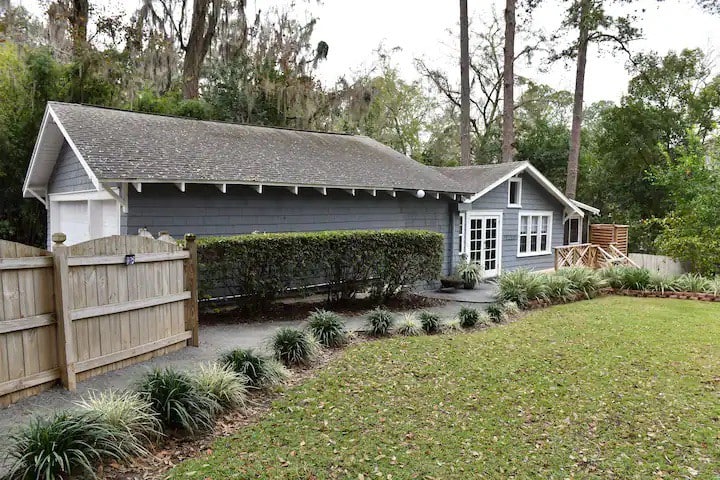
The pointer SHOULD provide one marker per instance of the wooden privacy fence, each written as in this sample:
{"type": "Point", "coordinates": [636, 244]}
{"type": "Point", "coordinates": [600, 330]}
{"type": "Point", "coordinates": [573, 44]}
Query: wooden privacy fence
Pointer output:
{"type": "Point", "coordinates": [607, 235]}
{"type": "Point", "coordinates": [90, 308]}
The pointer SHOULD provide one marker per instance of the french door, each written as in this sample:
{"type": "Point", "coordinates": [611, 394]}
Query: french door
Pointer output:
{"type": "Point", "coordinates": [483, 242]}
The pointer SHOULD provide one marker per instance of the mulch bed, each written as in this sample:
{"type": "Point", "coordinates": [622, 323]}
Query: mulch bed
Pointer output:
{"type": "Point", "coordinates": [176, 447]}
{"type": "Point", "coordinates": [298, 310]}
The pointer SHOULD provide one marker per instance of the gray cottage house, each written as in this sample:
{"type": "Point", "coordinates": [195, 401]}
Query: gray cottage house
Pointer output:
{"type": "Point", "coordinates": [103, 172]}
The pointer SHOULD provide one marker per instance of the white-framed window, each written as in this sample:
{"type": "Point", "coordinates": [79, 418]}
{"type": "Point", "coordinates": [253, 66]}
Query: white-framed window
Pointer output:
{"type": "Point", "coordinates": [515, 192]}
{"type": "Point", "coordinates": [534, 233]}
{"type": "Point", "coordinates": [460, 232]}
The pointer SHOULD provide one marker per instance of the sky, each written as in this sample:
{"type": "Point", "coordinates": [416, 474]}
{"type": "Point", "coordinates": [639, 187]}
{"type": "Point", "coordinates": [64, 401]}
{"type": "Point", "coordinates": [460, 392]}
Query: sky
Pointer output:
{"type": "Point", "coordinates": [420, 28]}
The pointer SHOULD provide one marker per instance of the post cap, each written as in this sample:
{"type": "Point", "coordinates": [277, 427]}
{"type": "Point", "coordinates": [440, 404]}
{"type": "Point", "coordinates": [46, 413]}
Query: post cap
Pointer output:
{"type": "Point", "coordinates": [189, 237]}
{"type": "Point", "coordinates": [59, 237]}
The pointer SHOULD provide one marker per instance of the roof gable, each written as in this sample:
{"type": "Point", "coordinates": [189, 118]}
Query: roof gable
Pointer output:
{"type": "Point", "coordinates": [485, 178]}
{"type": "Point", "coordinates": [122, 146]}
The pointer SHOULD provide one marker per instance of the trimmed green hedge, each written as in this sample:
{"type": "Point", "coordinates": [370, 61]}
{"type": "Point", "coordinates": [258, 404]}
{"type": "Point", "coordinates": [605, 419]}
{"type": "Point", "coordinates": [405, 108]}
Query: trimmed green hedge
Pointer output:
{"type": "Point", "coordinates": [259, 267]}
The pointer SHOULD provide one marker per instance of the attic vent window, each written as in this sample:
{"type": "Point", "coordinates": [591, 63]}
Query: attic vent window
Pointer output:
{"type": "Point", "coordinates": [514, 192]}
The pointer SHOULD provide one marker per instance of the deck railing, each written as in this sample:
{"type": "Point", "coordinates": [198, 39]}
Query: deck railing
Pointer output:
{"type": "Point", "coordinates": [590, 256]}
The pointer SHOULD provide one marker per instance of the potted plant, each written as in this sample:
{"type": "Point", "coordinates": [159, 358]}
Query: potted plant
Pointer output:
{"type": "Point", "coordinates": [470, 272]}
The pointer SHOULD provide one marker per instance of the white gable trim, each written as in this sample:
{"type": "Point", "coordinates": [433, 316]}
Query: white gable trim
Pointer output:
{"type": "Point", "coordinates": [32, 169]}
{"type": "Point", "coordinates": [542, 180]}
{"type": "Point", "coordinates": [585, 206]}
{"type": "Point", "coordinates": [75, 150]}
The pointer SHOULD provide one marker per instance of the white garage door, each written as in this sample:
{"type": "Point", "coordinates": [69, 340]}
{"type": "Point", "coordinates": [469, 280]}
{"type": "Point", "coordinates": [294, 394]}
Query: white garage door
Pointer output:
{"type": "Point", "coordinates": [83, 220]}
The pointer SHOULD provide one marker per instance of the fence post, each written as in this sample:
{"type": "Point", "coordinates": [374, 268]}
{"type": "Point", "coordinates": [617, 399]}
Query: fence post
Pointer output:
{"type": "Point", "coordinates": [66, 343]}
{"type": "Point", "coordinates": [191, 284]}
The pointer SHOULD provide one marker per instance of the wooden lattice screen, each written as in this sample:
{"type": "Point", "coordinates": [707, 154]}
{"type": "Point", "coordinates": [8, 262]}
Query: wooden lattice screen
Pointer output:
{"type": "Point", "coordinates": [606, 234]}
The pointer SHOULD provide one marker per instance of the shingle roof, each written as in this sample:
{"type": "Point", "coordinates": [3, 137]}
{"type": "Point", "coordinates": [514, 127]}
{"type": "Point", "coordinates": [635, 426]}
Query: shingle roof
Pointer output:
{"type": "Point", "coordinates": [128, 146]}
{"type": "Point", "coordinates": [477, 178]}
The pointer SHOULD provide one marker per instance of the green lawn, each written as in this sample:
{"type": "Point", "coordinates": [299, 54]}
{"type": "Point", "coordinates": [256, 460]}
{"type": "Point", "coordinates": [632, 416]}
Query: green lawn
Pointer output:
{"type": "Point", "coordinates": [611, 388]}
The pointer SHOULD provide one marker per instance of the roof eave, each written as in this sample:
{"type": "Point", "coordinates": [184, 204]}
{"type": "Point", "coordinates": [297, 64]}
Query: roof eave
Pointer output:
{"type": "Point", "coordinates": [282, 184]}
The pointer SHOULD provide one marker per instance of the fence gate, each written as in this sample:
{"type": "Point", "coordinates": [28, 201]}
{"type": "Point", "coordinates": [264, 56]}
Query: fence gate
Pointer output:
{"type": "Point", "coordinates": [28, 353]}
{"type": "Point", "coordinates": [90, 308]}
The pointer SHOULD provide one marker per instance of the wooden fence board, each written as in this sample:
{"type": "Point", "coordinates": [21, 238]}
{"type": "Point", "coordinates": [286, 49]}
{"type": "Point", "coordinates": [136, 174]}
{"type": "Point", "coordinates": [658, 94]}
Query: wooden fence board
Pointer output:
{"type": "Point", "coordinates": [113, 314]}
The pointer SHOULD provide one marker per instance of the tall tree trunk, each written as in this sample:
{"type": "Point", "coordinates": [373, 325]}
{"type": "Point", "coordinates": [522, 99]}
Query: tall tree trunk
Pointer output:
{"type": "Point", "coordinates": [202, 30]}
{"type": "Point", "coordinates": [464, 85]}
{"type": "Point", "coordinates": [574, 157]}
{"type": "Point", "coordinates": [78, 17]}
{"type": "Point", "coordinates": [508, 125]}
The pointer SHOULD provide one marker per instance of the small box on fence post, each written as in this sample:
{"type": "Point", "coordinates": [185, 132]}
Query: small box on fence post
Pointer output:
{"type": "Point", "coordinates": [66, 343]}
{"type": "Point", "coordinates": [191, 285]}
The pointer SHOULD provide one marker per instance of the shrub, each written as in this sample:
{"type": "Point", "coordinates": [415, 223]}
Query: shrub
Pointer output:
{"type": "Point", "coordinates": [221, 383]}
{"type": "Point", "coordinates": [583, 280]}
{"type": "Point", "coordinates": [559, 288]}
{"type": "Point", "coordinates": [451, 326]}
{"type": "Point", "coordinates": [294, 347]}
{"type": "Point", "coordinates": [468, 317]}
{"type": "Point", "coordinates": [409, 326]}
{"type": "Point", "coordinates": [177, 402]}
{"type": "Point", "coordinates": [521, 286]}
{"type": "Point", "coordinates": [496, 312]}
{"type": "Point", "coordinates": [380, 321]}
{"type": "Point", "coordinates": [430, 322]}
{"type": "Point", "coordinates": [328, 328]}
{"type": "Point", "coordinates": [260, 371]}
{"type": "Point", "coordinates": [66, 444]}
{"type": "Point", "coordinates": [258, 267]}
{"type": "Point", "coordinates": [692, 282]}
{"type": "Point", "coordinates": [127, 412]}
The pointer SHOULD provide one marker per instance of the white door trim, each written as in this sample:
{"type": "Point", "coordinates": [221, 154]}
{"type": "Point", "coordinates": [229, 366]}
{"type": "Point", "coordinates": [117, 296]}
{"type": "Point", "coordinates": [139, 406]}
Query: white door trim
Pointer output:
{"type": "Point", "coordinates": [482, 214]}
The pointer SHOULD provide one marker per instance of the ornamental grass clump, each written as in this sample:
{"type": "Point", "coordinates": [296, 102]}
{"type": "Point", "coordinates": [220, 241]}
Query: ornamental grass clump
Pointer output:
{"type": "Point", "coordinates": [68, 444]}
{"type": "Point", "coordinates": [430, 322]}
{"type": "Point", "coordinates": [261, 371]}
{"type": "Point", "coordinates": [692, 282]}
{"type": "Point", "coordinates": [496, 312]}
{"type": "Point", "coordinates": [661, 283]}
{"type": "Point", "coordinates": [128, 412]}
{"type": "Point", "coordinates": [174, 397]}
{"type": "Point", "coordinates": [628, 277]}
{"type": "Point", "coordinates": [409, 326]}
{"type": "Point", "coordinates": [583, 280]}
{"type": "Point", "coordinates": [328, 328]}
{"type": "Point", "coordinates": [294, 347]}
{"type": "Point", "coordinates": [510, 308]}
{"type": "Point", "coordinates": [379, 322]}
{"type": "Point", "coordinates": [451, 326]}
{"type": "Point", "coordinates": [221, 383]}
{"type": "Point", "coordinates": [521, 286]}
{"type": "Point", "coordinates": [559, 288]}
{"type": "Point", "coordinates": [468, 317]}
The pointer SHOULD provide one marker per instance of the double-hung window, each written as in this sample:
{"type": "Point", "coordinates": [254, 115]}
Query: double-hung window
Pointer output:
{"type": "Point", "coordinates": [534, 233]}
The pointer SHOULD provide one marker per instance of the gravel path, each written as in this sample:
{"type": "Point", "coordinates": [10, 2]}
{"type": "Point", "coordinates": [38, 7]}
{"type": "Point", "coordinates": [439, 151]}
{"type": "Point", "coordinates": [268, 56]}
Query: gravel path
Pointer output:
{"type": "Point", "coordinates": [214, 339]}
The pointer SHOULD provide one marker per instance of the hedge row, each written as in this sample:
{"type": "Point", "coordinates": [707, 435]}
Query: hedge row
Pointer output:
{"type": "Point", "coordinates": [256, 268]}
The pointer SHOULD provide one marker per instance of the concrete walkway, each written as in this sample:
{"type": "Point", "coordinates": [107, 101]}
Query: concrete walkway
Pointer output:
{"type": "Point", "coordinates": [214, 340]}
{"type": "Point", "coordinates": [483, 293]}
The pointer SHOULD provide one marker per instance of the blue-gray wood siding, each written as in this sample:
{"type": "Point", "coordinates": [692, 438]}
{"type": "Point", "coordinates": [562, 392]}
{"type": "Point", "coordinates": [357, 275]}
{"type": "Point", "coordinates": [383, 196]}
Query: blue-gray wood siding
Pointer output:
{"type": "Point", "coordinates": [68, 174]}
{"type": "Point", "coordinates": [205, 211]}
{"type": "Point", "coordinates": [534, 197]}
